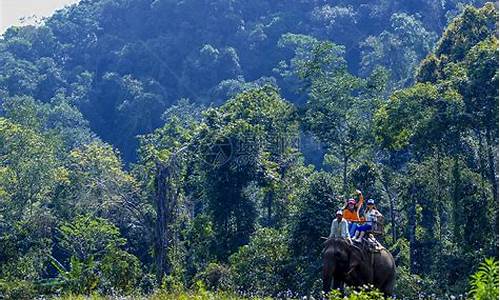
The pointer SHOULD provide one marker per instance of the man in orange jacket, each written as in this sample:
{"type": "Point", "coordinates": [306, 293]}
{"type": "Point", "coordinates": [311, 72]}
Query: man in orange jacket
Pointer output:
{"type": "Point", "coordinates": [351, 212]}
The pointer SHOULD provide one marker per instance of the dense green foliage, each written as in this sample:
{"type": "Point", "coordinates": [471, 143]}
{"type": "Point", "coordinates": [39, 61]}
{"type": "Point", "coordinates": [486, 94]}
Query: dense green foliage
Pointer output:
{"type": "Point", "coordinates": [164, 146]}
{"type": "Point", "coordinates": [123, 62]}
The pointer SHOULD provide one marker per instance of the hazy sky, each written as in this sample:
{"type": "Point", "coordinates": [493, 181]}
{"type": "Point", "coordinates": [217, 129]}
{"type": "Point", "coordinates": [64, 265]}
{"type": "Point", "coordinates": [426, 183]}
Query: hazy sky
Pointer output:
{"type": "Point", "coordinates": [12, 10]}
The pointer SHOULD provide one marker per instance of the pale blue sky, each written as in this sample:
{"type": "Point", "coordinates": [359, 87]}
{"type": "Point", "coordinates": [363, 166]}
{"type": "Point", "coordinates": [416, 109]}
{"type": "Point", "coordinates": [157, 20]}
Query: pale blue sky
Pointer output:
{"type": "Point", "coordinates": [12, 10]}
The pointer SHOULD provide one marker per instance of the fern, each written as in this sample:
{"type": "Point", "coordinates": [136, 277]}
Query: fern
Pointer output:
{"type": "Point", "coordinates": [484, 283]}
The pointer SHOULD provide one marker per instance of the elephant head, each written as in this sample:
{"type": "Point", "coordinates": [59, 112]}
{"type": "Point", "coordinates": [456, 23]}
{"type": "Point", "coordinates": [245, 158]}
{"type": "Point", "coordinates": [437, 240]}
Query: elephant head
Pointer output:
{"type": "Point", "coordinates": [336, 261]}
{"type": "Point", "coordinates": [339, 250]}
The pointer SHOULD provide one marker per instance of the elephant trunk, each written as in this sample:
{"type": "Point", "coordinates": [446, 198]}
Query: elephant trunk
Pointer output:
{"type": "Point", "coordinates": [328, 268]}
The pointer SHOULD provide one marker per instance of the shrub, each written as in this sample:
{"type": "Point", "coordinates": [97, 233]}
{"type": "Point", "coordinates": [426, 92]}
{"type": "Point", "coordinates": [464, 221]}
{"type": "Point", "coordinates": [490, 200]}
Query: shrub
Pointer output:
{"type": "Point", "coordinates": [96, 263]}
{"type": "Point", "coordinates": [259, 266]}
{"type": "Point", "coordinates": [365, 293]}
{"type": "Point", "coordinates": [215, 277]}
{"type": "Point", "coordinates": [17, 289]}
{"type": "Point", "coordinates": [411, 286]}
{"type": "Point", "coordinates": [484, 283]}
{"type": "Point", "coordinates": [120, 270]}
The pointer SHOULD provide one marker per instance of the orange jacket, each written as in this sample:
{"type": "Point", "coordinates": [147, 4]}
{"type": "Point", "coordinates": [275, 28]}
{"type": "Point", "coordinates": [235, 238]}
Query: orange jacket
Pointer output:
{"type": "Point", "coordinates": [353, 215]}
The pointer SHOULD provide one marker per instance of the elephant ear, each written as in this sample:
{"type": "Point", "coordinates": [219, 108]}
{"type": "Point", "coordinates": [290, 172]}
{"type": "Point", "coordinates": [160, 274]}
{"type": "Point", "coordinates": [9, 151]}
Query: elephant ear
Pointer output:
{"type": "Point", "coordinates": [356, 253]}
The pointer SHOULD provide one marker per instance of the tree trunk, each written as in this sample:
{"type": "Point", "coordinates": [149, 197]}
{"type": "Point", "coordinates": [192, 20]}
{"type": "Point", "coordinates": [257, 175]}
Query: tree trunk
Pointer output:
{"type": "Point", "coordinates": [391, 208]}
{"type": "Point", "coordinates": [393, 220]}
{"type": "Point", "coordinates": [481, 155]}
{"type": "Point", "coordinates": [493, 171]}
{"type": "Point", "coordinates": [269, 208]}
{"type": "Point", "coordinates": [443, 216]}
{"type": "Point", "coordinates": [458, 220]}
{"type": "Point", "coordinates": [161, 240]}
{"type": "Point", "coordinates": [492, 166]}
{"type": "Point", "coordinates": [166, 202]}
{"type": "Point", "coordinates": [344, 173]}
{"type": "Point", "coordinates": [482, 163]}
{"type": "Point", "coordinates": [412, 223]}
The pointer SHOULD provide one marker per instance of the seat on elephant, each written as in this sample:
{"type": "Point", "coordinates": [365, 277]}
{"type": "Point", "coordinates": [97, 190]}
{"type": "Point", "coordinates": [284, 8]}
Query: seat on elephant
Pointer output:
{"type": "Point", "coordinates": [378, 227]}
{"type": "Point", "coordinates": [370, 244]}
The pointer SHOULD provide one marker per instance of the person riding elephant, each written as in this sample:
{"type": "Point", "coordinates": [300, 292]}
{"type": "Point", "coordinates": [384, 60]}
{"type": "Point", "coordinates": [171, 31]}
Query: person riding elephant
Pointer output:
{"type": "Point", "coordinates": [350, 212]}
{"type": "Point", "coordinates": [372, 214]}
{"type": "Point", "coordinates": [339, 227]}
{"type": "Point", "coordinates": [346, 263]}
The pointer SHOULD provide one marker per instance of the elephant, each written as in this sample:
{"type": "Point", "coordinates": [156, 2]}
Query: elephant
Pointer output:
{"type": "Point", "coordinates": [355, 266]}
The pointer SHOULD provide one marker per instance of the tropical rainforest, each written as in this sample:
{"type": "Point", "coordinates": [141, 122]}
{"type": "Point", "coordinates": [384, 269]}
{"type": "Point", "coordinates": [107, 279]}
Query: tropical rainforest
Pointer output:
{"type": "Point", "coordinates": [199, 149]}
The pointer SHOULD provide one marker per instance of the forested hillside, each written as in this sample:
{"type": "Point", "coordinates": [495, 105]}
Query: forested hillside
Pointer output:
{"type": "Point", "coordinates": [182, 145]}
{"type": "Point", "coordinates": [121, 63]}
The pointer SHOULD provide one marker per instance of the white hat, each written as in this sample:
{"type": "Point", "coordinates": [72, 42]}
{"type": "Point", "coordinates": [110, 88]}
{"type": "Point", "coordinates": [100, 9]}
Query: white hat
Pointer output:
{"type": "Point", "coordinates": [339, 212]}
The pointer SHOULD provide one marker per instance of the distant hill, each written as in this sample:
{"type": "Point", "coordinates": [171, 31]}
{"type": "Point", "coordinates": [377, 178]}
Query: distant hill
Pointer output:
{"type": "Point", "coordinates": [123, 62]}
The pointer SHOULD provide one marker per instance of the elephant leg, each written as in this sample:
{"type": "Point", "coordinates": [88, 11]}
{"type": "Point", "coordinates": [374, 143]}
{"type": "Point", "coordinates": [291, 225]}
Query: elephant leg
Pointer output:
{"type": "Point", "coordinates": [338, 285]}
{"type": "Point", "coordinates": [388, 288]}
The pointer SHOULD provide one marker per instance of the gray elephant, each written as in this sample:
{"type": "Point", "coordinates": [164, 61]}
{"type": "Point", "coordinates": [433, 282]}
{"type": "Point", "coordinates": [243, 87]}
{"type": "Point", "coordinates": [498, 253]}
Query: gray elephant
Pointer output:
{"type": "Point", "coordinates": [344, 262]}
